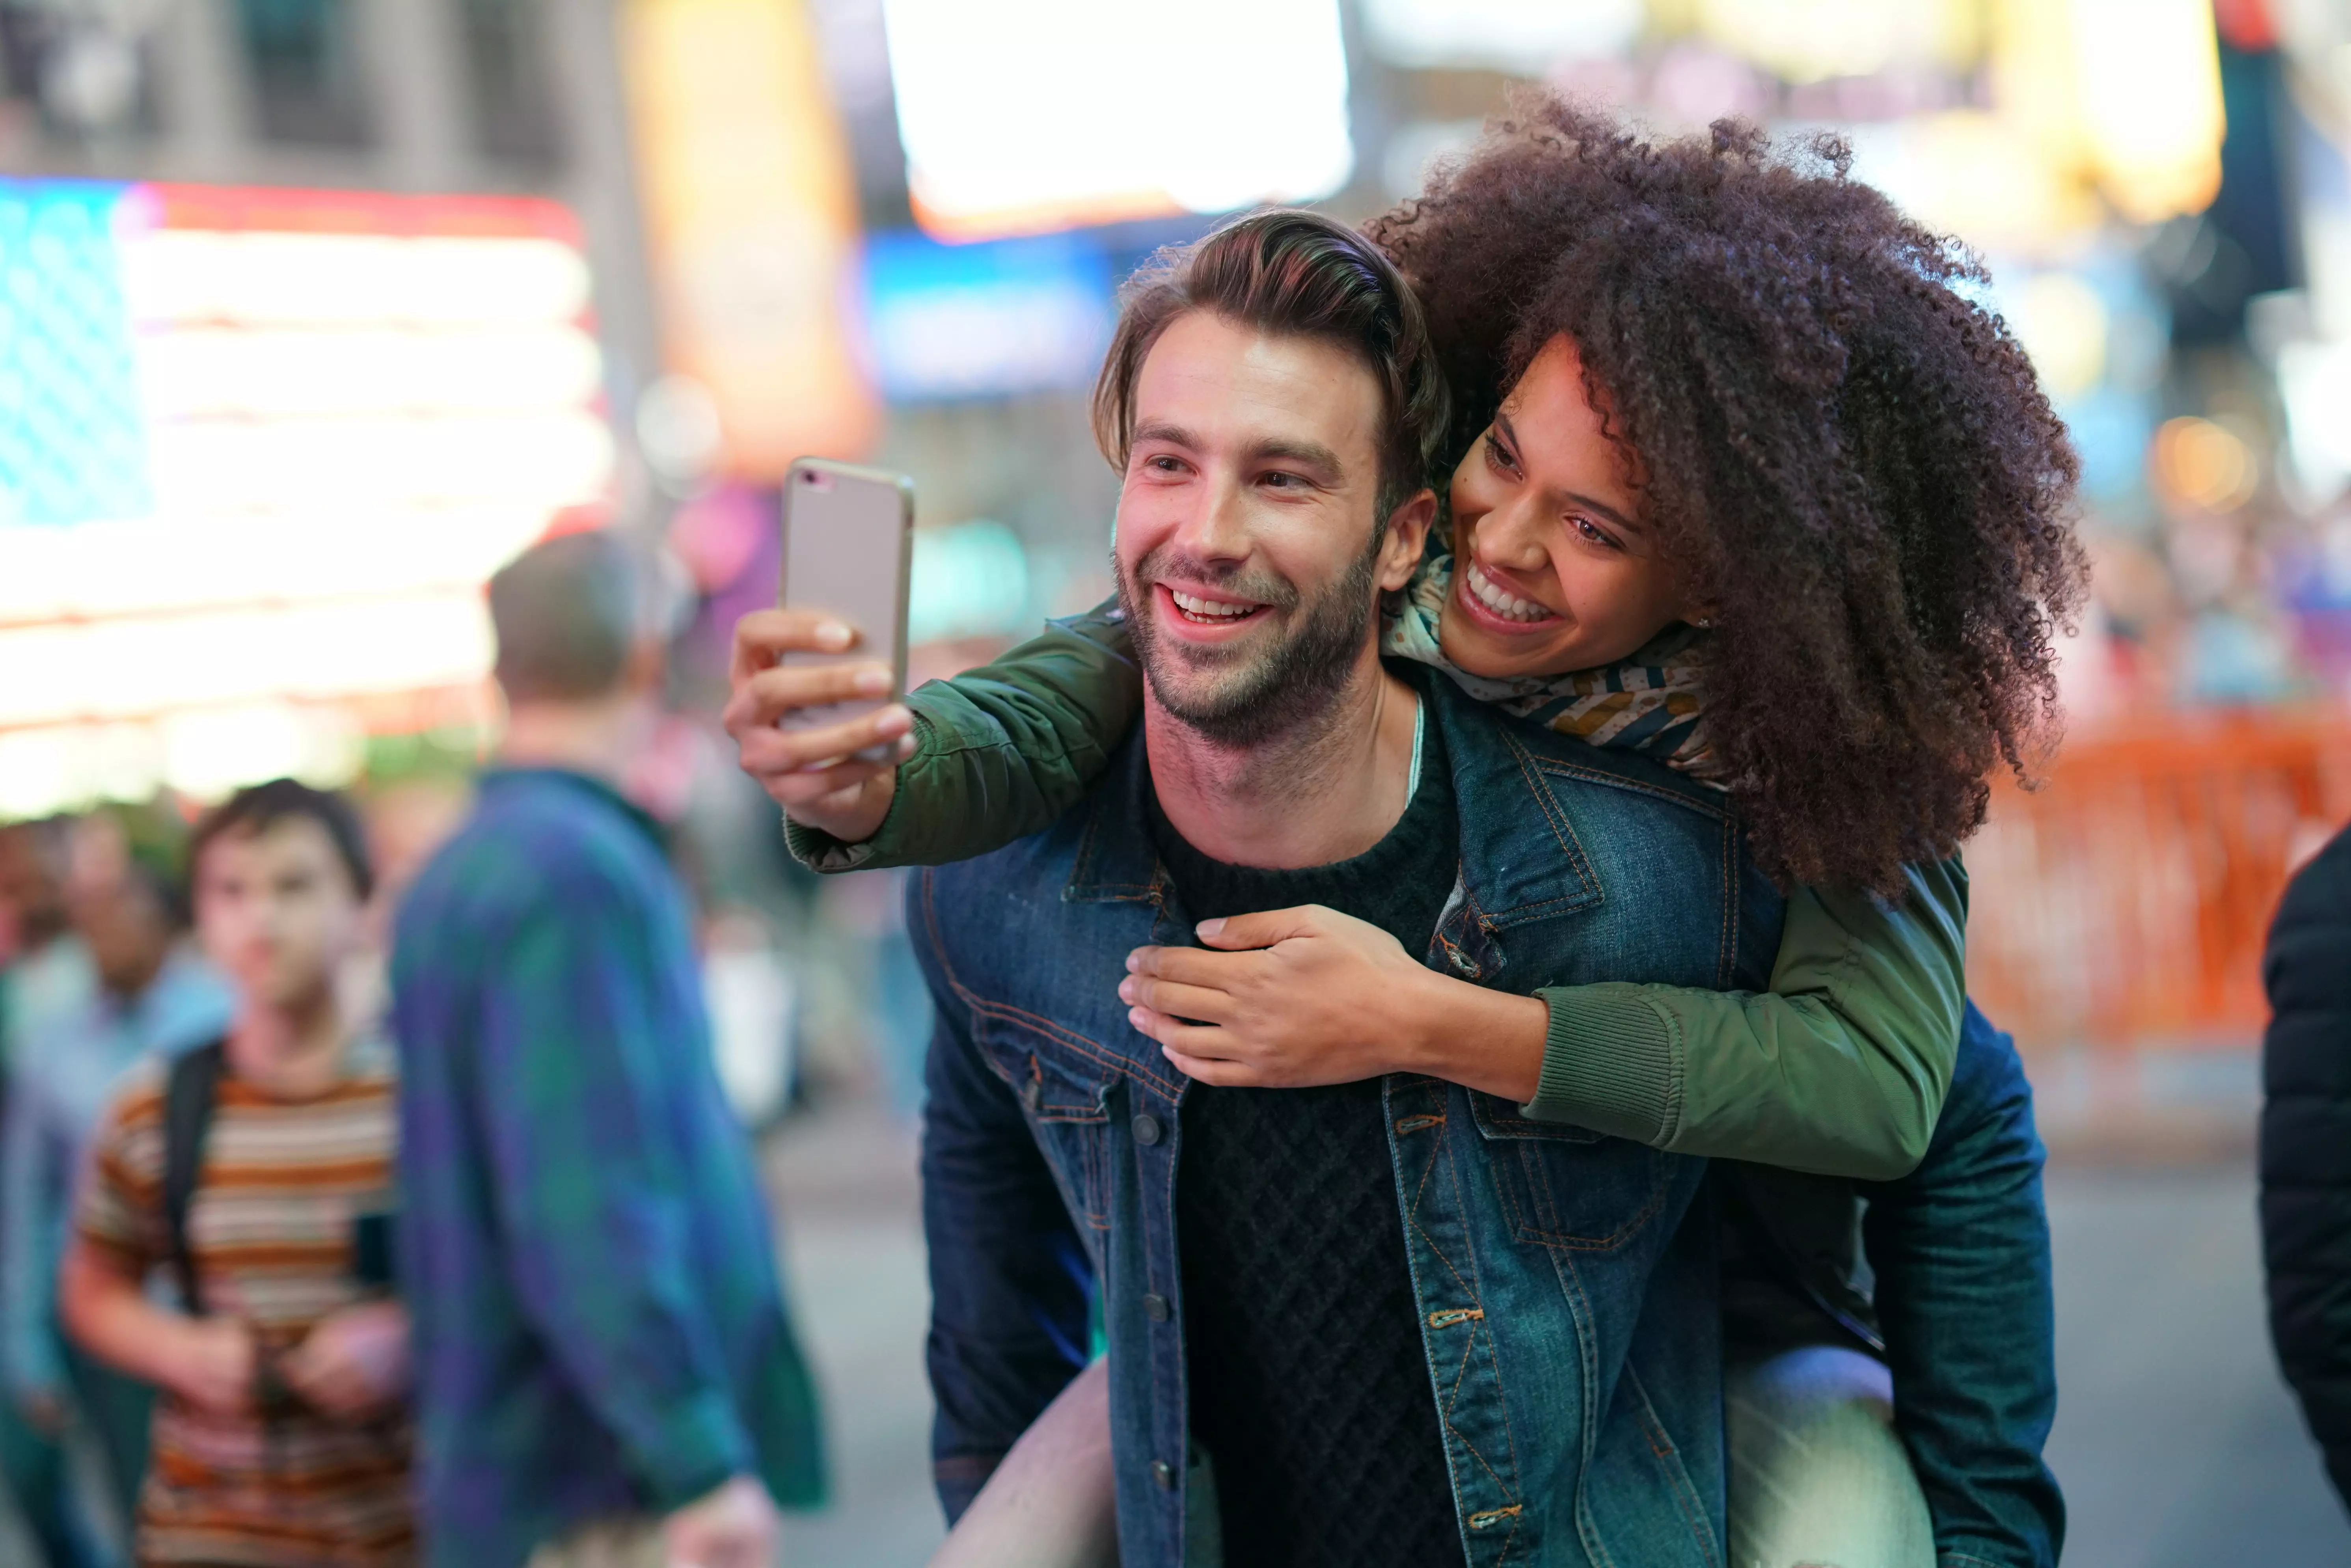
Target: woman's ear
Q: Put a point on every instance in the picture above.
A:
(1407, 537)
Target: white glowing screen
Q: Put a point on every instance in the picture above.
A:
(1031, 115)
(261, 448)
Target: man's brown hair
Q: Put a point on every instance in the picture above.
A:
(1289, 273)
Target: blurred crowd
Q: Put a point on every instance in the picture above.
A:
(143, 950)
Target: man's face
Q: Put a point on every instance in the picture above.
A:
(1245, 554)
(276, 910)
(128, 931)
(32, 904)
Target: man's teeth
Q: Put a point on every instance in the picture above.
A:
(1208, 609)
(1499, 600)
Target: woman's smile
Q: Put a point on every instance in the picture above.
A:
(1491, 599)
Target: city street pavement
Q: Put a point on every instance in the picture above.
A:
(2177, 1445)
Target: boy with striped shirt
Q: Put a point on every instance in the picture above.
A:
(256, 1175)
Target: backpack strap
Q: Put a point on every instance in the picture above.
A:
(189, 1089)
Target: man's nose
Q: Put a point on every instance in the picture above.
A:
(1219, 529)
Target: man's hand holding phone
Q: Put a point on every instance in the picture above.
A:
(815, 774)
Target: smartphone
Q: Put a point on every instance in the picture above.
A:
(849, 547)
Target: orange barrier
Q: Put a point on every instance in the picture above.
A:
(2126, 902)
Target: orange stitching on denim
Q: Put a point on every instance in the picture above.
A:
(1685, 1491)
(1080, 1043)
(1418, 1124)
(1494, 1361)
(1450, 1317)
(1562, 829)
(1494, 1516)
(973, 1000)
(1726, 965)
(1609, 1243)
(1641, 786)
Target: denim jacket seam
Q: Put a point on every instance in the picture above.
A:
(1469, 1288)
(1727, 966)
(1563, 830)
(975, 1002)
(1606, 780)
(1681, 1489)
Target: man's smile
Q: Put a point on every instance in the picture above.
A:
(1198, 615)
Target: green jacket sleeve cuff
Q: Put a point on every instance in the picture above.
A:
(695, 1446)
(1611, 1062)
(821, 853)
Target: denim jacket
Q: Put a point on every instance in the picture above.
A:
(1571, 1319)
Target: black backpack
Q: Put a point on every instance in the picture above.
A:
(191, 1089)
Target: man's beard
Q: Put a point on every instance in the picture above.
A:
(1246, 697)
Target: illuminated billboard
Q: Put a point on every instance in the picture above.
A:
(1028, 116)
(750, 213)
(258, 451)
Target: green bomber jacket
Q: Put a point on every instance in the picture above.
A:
(1839, 1069)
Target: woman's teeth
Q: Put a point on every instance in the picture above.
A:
(1208, 609)
(1493, 596)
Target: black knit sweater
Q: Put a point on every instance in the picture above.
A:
(1310, 1389)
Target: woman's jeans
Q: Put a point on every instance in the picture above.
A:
(1817, 1476)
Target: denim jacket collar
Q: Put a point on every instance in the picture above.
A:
(1511, 876)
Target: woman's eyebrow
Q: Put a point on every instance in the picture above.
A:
(1502, 423)
(1604, 508)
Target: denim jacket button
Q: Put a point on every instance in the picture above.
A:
(1146, 1128)
(1165, 1474)
(1155, 1308)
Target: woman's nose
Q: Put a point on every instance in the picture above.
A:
(1514, 536)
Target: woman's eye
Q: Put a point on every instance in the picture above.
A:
(1591, 533)
(1498, 456)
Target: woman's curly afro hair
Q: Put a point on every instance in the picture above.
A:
(1843, 456)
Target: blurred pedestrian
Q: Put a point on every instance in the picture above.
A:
(45, 972)
(154, 997)
(606, 1372)
(2306, 1148)
(255, 1171)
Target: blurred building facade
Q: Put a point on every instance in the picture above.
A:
(894, 230)
(321, 309)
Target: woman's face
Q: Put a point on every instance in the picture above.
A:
(1552, 568)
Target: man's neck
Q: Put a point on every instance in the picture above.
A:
(1324, 791)
(600, 739)
(293, 1051)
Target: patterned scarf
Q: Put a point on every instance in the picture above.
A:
(1648, 704)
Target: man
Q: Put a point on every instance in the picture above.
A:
(1279, 1318)
(154, 998)
(2305, 1132)
(249, 1171)
(606, 1372)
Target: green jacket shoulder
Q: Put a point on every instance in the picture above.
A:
(1001, 751)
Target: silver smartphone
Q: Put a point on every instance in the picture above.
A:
(849, 547)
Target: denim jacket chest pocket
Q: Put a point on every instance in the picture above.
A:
(1064, 1092)
(1567, 1186)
